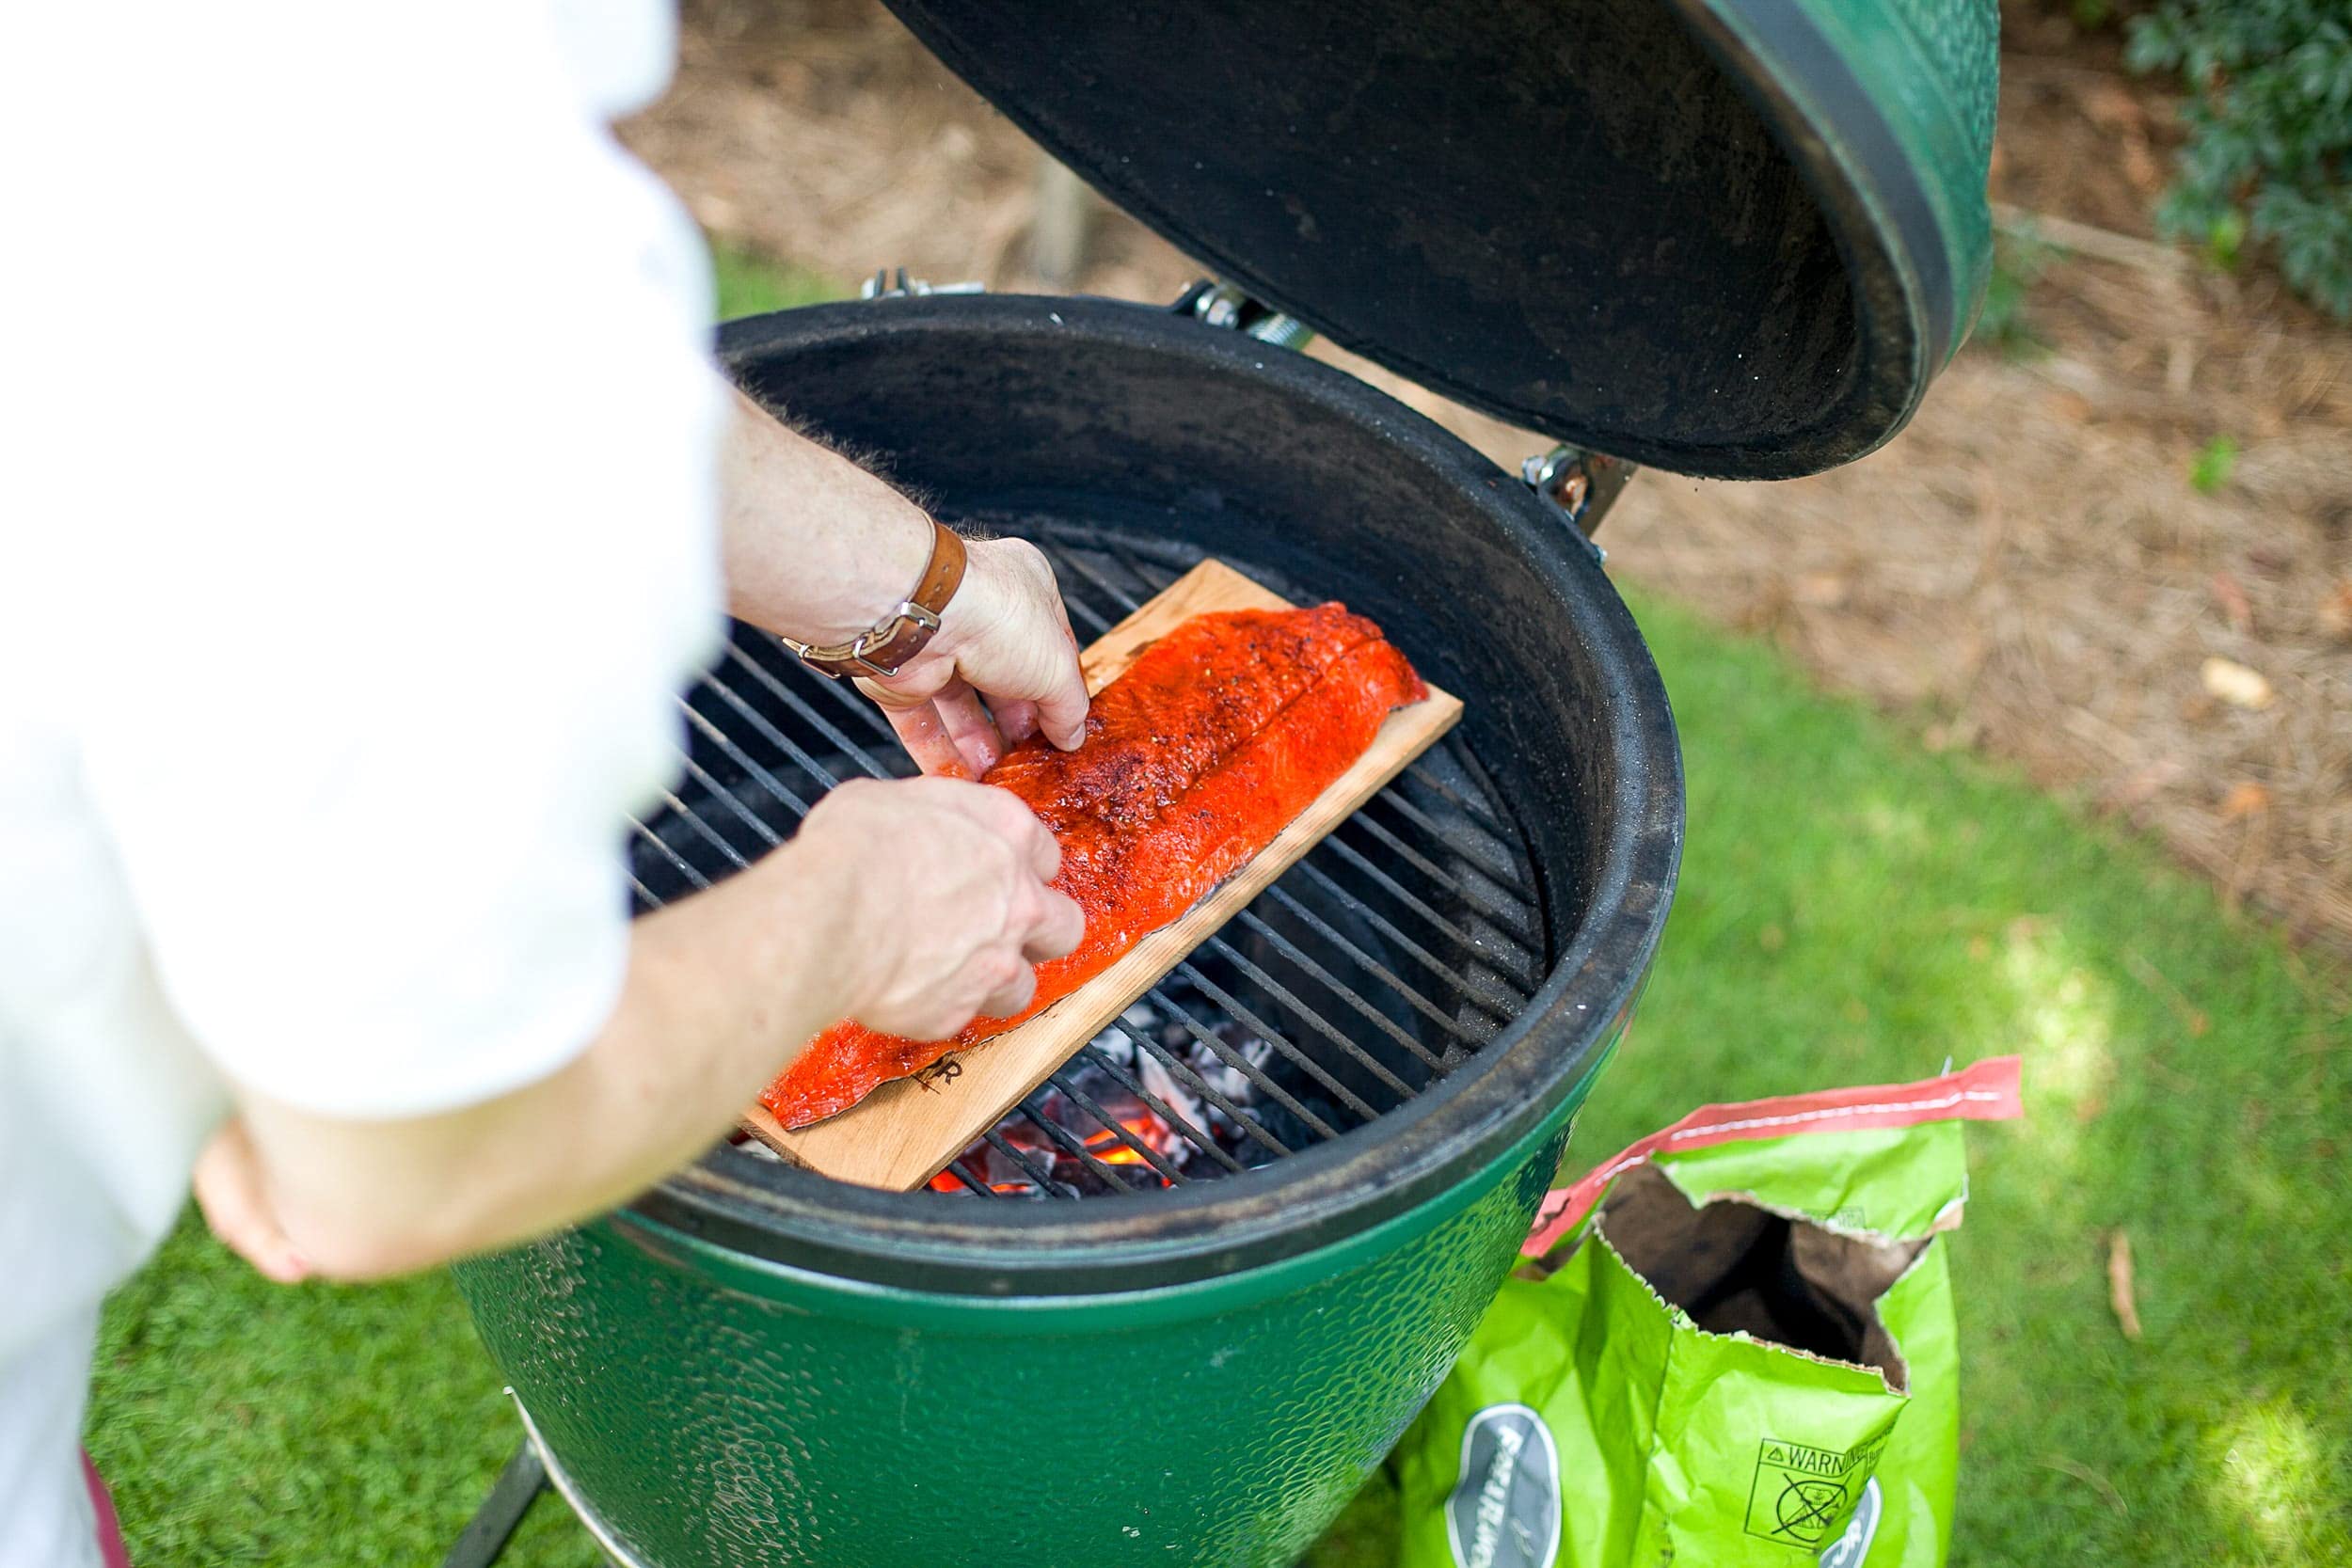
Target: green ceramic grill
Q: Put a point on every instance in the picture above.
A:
(1176, 1308)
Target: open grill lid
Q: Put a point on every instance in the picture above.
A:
(1725, 237)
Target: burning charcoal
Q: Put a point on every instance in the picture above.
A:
(1153, 1075)
(1231, 1082)
(1117, 1043)
(1089, 1159)
(1003, 1173)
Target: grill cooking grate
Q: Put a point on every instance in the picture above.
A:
(1382, 960)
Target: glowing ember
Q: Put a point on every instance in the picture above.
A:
(1147, 1130)
(1055, 1146)
(1101, 1132)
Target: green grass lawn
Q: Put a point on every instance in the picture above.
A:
(748, 286)
(1852, 910)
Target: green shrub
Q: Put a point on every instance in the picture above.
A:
(2269, 153)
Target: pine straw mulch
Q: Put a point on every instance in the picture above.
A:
(2027, 570)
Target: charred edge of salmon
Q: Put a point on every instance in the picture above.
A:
(848, 1061)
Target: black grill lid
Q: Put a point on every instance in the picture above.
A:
(1730, 237)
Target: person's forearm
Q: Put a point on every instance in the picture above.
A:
(819, 550)
(715, 1001)
(812, 544)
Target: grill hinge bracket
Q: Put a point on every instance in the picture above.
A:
(1223, 305)
(894, 283)
(1579, 485)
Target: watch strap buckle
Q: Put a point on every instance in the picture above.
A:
(905, 629)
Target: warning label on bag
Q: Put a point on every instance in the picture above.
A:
(1803, 1495)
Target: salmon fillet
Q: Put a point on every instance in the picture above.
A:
(1193, 759)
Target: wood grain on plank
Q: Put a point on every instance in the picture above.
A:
(905, 1132)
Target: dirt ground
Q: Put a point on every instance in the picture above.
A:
(2029, 570)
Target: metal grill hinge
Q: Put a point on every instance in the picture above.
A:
(894, 283)
(1579, 485)
(1223, 305)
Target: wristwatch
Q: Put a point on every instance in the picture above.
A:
(904, 630)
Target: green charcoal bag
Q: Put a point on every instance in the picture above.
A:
(1734, 1343)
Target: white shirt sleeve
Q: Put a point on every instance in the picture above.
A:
(394, 495)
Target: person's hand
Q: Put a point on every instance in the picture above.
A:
(228, 1189)
(940, 899)
(814, 546)
(1005, 638)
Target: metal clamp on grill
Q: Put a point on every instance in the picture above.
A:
(894, 283)
(1580, 486)
(1222, 305)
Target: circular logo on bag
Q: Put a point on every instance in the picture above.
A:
(1505, 1511)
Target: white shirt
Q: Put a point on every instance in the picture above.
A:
(356, 524)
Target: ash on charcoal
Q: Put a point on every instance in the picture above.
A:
(1148, 1063)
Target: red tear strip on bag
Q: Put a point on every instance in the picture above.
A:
(1985, 1091)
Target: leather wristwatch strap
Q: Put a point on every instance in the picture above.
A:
(905, 629)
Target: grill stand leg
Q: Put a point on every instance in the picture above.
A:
(494, 1522)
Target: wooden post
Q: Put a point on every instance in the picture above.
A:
(1058, 235)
